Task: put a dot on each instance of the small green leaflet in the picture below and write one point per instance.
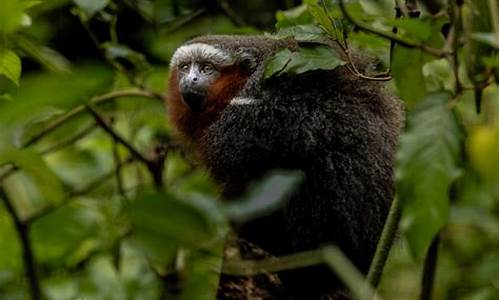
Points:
(306, 59)
(10, 65)
(47, 182)
(90, 7)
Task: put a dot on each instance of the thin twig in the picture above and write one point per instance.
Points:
(94, 100)
(77, 192)
(384, 245)
(115, 135)
(272, 265)
(351, 66)
(71, 140)
(22, 229)
(118, 168)
(429, 271)
(391, 36)
(179, 22)
(231, 13)
(330, 255)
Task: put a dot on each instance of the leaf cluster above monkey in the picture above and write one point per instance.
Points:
(340, 130)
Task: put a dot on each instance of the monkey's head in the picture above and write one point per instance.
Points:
(208, 72)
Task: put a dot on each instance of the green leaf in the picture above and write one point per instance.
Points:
(426, 167)
(11, 15)
(193, 221)
(303, 33)
(306, 59)
(406, 69)
(90, 7)
(296, 16)
(49, 58)
(10, 65)
(58, 237)
(487, 38)
(31, 162)
(322, 18)
(201, 281)
(265, 196)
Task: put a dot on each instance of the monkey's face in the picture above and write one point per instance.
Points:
(198, 67)
(195, 78)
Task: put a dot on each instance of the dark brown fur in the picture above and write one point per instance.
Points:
(339, 129)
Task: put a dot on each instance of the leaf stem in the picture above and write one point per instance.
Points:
(429, 271)
(22, 229)
(385, 243)
(391, 36)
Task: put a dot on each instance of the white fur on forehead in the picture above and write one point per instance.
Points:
(197, 51)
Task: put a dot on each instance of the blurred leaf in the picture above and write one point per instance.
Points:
(31, 162)
(11, 15)
(58, 237)
(47, 57)
(201, 272)
(306, 59)
(265, 196)
(90, 7)
(426, 168)
(296, 16)
(45, 93)
(193, 221)
(488, 38)
(130, 59)
(303, 33)
(406, 69)
(10, 65)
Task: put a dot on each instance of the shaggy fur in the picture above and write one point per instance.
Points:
(340, 130)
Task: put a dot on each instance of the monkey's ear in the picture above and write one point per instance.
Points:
(247, 60)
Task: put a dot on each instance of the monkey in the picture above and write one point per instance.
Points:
(339, 129)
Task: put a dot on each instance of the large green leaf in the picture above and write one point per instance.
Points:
(201, 272)
(406, 69)
(193, 222)
(264, 196)
(11, 15)
(306, 59)
(10, 65)
(426, 167)
(32, 164)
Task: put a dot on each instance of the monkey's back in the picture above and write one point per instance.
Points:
(341, 131)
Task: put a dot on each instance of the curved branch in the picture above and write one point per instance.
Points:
(391, 36)
(94, 100)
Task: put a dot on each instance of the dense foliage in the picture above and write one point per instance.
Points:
(100, 202)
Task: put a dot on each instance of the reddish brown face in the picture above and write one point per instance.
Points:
(197, 97)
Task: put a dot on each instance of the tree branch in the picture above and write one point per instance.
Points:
(330, 255)
(22, 229)
(391, 36)
(77, 192)
(94, 100)
(385, 243)
(429, 270)
(117, 137)
(71, 140)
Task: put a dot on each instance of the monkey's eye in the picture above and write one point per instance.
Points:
(207, 68)
(184, 67)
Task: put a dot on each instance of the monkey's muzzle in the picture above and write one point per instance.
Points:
(195, 100)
